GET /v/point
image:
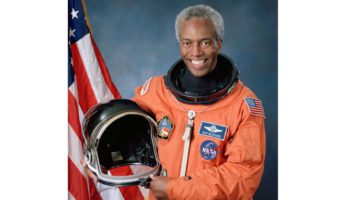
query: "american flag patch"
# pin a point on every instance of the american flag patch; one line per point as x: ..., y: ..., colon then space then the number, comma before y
x: 254, y: 106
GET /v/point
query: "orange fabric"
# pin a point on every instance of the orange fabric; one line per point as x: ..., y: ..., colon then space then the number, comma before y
x: 236, y: 171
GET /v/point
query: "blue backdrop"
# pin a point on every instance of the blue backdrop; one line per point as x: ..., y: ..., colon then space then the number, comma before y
x: 137, y: 40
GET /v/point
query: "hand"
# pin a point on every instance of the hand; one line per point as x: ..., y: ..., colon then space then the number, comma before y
x: 158, y: 186
x: 88, y: 171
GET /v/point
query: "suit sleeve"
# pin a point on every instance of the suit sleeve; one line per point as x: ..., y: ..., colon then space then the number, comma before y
x: 139, y: 100
x: 142, y: 97
x: 237, y: 178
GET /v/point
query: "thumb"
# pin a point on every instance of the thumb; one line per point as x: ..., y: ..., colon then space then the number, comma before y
x: 153, y: 177
x: 83, y: 162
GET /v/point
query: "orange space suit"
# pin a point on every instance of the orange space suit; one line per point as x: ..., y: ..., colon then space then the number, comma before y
x: 227, y: 147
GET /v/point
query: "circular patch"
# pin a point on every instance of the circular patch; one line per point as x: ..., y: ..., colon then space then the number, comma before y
x: 209, y: 150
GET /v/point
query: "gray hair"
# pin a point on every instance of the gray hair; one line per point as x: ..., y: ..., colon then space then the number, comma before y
x: 201, y: 11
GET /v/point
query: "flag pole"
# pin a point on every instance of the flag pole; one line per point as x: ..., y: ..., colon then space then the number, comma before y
x: 86, y: 16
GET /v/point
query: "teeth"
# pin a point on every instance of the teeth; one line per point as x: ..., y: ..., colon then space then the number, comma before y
x: 197, y: 62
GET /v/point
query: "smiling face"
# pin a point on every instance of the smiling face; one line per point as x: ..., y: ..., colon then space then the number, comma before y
x: 198, y: 45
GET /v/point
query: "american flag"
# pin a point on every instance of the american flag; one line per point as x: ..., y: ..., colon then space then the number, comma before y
x: 88, y: 83
x: 255, y: 106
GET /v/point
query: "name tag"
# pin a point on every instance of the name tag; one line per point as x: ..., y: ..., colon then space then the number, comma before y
x: 213, y: 130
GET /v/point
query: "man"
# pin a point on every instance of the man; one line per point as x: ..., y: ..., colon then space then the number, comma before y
x: 211, y: 134
x: 225, y: 156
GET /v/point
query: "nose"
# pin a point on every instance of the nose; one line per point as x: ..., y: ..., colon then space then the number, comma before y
x: 196, y: 50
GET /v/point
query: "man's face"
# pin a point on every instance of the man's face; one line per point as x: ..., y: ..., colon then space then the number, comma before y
x: 198, y: 45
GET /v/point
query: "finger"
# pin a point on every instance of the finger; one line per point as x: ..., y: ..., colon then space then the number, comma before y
x: 82, y: 162
x: 152, y: 176
x: 91, y: 175
x: 88, y: 171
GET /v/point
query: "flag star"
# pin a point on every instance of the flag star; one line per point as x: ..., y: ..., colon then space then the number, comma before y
x: 71, y: 32
x: 74, y: 13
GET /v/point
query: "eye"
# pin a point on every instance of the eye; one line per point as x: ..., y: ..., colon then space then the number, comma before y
x: 205, y: 43
x: 186, y: 43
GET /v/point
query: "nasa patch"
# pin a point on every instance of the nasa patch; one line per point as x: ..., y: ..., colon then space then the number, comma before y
x: 165, y: 128
x: 209, y: 150
x: 213, y: 130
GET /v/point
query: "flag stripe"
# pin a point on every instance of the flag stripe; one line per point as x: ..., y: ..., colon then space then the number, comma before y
x: 77, y: 186
x: 75, y: 154
x: 137, y: 170
x: 92, y: 68
x: 86, y: 95
x: 109, y: 192
x: 104, y: 71
x: 73, y: 117
x: 70, y: 196
x: 76, y: 183
x: 81, y: 115
x: 94, y: 191
x: 255, y: 109
x: 131, y: 192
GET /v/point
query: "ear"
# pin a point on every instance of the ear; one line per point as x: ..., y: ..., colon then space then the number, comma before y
x: 219, y: 45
